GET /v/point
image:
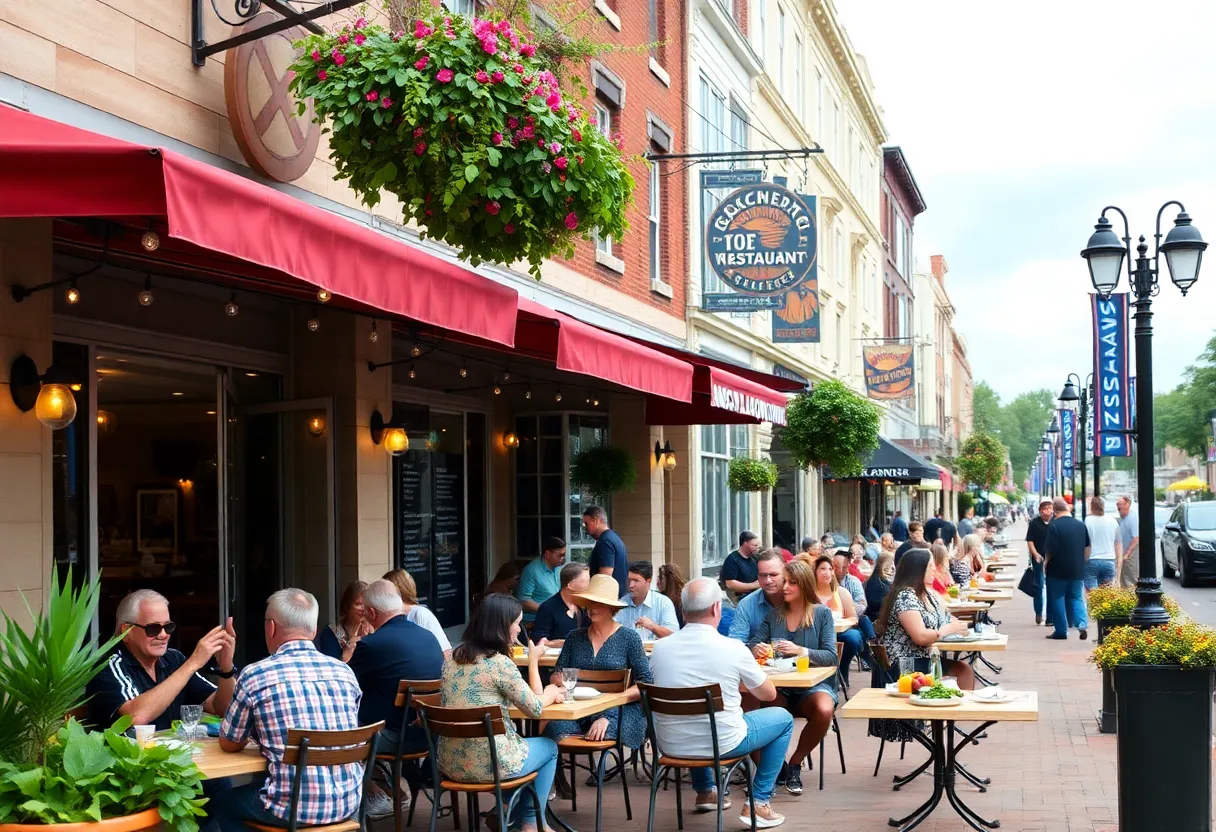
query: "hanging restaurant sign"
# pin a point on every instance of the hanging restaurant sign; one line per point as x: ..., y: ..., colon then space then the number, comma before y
x: 889, y: 371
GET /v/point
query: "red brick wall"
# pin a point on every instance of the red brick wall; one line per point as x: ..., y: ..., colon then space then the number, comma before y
x: 644, y: 91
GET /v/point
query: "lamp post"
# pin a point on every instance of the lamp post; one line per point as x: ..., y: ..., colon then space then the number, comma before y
x: 1045, y: 447
x: 1183, y: 249
x: 1069, y: 397
x: 1057, y: 466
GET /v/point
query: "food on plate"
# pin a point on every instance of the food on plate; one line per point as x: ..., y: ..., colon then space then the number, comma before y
x: 939, y: 691
x: 912, y: 682
x: 952, y: 591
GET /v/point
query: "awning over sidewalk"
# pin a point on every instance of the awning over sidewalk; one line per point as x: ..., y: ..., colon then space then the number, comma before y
x: 49, y: 169
x: 721, y: 397
x: 892, y: 463
x: 947, y: 478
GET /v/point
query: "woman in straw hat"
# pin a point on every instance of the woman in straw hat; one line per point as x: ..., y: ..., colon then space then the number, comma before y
x: 605, y: 645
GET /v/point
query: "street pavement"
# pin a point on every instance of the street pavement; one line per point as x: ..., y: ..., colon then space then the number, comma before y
x: 1054, y: 775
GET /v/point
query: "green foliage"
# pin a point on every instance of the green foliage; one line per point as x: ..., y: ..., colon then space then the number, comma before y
x: 981, y: 460
x: 832, y: 426
x: 1118, y: 602
x: 1180, y: 419
x: 965, y: 502
x: 1158, y: 494
x: 1184, y: 644
x: 602, y: 470
x: 747, y: 474
x: 469, y: 127
x: 88, y: 776
x: 1018, y: 424
x: 43, y: 673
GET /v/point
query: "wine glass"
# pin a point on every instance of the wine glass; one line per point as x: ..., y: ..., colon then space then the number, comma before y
x: 191, y: 715
x: 570, y: 680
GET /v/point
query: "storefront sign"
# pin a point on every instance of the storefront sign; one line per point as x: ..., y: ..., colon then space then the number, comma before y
x: 1068, y: 440
x: 887, y: 473
x: 889, y: 371
x: 735, y: 401
x: 1111, y: 385
x: 429, y: 508
x: 275, y: 140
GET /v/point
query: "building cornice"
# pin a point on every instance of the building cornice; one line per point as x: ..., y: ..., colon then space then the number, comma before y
x: 722, y: 22
x: 847, y: 195
x: 823, y: 13
x: 777, y: 101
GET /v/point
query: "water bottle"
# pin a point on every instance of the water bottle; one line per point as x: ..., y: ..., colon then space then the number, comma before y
x: 935, y: 661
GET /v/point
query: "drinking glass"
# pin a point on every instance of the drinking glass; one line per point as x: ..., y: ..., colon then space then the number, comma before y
x: 191, y: 714
x: 803, y: 664
x: 570, y: 680
x: 907, y: 666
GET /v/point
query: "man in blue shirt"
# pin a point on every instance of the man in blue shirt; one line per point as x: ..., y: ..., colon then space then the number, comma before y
x: 754, y: 606
x: 647, y: 611
x: 608, y: 557
x: 899, y: 528
x: 541, y: 578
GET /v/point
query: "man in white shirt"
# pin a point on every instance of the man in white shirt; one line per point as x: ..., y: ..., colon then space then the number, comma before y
x: 1105, y: 546
x: 699, y: 655
x: 1129, y: 537
x: 647, y: 611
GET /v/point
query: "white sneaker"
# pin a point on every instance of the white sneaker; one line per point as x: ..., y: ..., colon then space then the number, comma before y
x: 766, y: 817
x: 379, y: 805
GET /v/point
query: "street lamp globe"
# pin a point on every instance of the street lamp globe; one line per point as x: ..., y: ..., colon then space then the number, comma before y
x: 1053, y: 426
x: 1104, y: 254
x: 1069, y: 393
x: 1183, y: 250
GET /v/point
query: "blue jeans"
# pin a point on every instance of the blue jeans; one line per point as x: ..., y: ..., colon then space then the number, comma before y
x: 1037, y: 566
x: 1066, y: 604
x: 542, y: 758
x: 1099, y: 572
x: 851, y: 642
x: 230, y: 809
x: 769, y: 731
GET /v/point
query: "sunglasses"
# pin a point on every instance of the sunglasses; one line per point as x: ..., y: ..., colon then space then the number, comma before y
x: 154, y: 630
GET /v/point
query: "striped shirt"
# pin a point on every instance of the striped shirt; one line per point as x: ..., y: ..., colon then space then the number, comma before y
x: 298, y: 687
x: 123, y: 678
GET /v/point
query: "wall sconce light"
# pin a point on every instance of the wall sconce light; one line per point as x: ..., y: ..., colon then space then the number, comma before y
x: 510, y: 440
x: 105, y: 422
x: 391, y: 436
x: 51, y: 401
x: 665, y: 456
x: 316, y: 426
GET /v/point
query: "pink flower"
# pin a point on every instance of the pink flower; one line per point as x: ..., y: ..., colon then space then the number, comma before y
x: 360, y: 23
x: 343, y: 39
x: 576, y: 134
x: 540, y: 143
x: 418, y: 131
x: 497, y: 77
x: 396, y: 36
x: 591, y: 120
x: 545, y: 167
x: 529, y: 120
x: 527, y: 50
x: 512, y: 122
x: 572, y: 116
x: 322, y: 75
x: 338, y: 57
x: 386, y: 102
x: 316, y: 56
x: 482, y: 76
x: 562, y: 177
x: 421, y: 63
x: 580, y: 160
x: 510, y: 229
x: 444, y: 76
x: 555, y: 147
x: 420, y: 148
x: 496, y: 138
x: 490, y: 45
x: 372, y: 96
x: 561, y: 162
x: 572, y: 220
x: 421, y: 30
x: 360, y: 38
x: 492, y: 208
x: 527, y: 80
x: 518, y: 68
x: 429, y: 212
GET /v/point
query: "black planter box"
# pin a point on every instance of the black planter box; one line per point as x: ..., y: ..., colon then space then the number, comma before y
x: 1165, y: 748
x: 1106, y: 717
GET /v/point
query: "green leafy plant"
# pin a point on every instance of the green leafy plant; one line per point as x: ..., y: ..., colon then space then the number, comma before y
x: 1184, y: 644
x: 747, y: 474
x: 468, y: 125
x: 833, y: 426
x: 88, y: 776
x: 965, y: 502
x: 981, y: 460
x: 602, y: 470
x: 1117, y: 602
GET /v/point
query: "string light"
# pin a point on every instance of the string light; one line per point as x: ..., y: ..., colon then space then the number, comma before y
x: 413, y: 372
x: 558, y: 396
x: 230, y: 308
x: 497, y: 390
x: 528, y: 393
x: 415, y: 350
x: 313, y: 323
x: 595, y: 402
x: 464, y: 371
x: 73, y: 294
x: 150, y: 240
x: 506, y: 375
x: 145, y: 297
x: 324, y: 295
x: 373, y: 336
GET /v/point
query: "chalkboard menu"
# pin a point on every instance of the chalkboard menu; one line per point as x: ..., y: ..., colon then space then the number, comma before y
x: 429, y: 509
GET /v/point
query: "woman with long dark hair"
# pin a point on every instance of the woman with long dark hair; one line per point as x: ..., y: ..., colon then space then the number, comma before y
x: 339, y: 640
x: 879, y: 584
x: 671, y: 584
x: 481, y: 673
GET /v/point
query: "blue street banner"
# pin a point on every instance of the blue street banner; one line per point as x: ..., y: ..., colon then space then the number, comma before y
x: 889, y: 371
x: 1051, y: 465
x: 1112, y: 386
x: 1068, y: 440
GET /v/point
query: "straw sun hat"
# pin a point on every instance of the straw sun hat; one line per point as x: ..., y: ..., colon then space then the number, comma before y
x: 602, y: 589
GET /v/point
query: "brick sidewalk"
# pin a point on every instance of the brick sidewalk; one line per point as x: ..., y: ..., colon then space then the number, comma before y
x: 1054, y: 775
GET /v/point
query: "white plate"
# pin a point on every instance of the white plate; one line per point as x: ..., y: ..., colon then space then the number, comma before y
x: 586, y: 693
x: 174, y: 744
x: 893, y: 690
x: 997, y: 697
x: 936, y: 703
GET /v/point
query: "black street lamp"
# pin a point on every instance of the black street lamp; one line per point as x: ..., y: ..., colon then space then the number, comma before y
x: 1044, y: 449
x: 1183, y: 249
x: 1057, y: 464
x: 1069, y: 397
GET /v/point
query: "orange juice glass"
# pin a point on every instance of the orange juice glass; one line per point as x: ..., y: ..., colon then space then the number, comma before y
x: 803, y: 664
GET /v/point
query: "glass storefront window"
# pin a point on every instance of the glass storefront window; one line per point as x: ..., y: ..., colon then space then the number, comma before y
x: 723, y: 514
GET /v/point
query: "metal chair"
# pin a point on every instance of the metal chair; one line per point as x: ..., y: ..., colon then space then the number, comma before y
x: 473, y: 723
x: 324, y: 749
x: 409, y: 691
x: 605, y: 681
x: 699, y: 700
x: 884, y: 665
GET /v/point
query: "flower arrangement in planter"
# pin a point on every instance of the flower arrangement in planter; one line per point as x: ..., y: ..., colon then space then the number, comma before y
x: 1182, y: 645
x: 832, y: 426
x: 466, y: 123
x: 747, y: 474
x: 1108, y: 602
x: 602, y: 470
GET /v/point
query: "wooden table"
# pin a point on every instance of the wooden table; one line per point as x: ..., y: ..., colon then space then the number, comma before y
x: 967, y: 607
x: 576, y: 709
x: 551, y: 654
x: 875, y: 703
x: 987, y: 595
x: 843, y: 624
x: 807, y: 679
x: 997, y: 643
x: 214, y: 762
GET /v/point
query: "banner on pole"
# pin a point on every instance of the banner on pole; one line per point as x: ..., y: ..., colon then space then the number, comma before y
x: 1051, y: 465
x: 1068, y: 440
x: 889, y: 370
x: 1112, y: 387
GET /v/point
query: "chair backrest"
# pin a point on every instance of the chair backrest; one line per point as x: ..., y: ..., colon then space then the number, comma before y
x: 605, y: 681
x: 309, y: 748
x: 880, y: 655
x: 408, y: 689
x: 695, y: 700
x: 462, y: 723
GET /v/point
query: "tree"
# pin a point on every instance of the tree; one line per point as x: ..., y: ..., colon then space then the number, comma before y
x: 1180, y: 420
x: 1026, y: 417
x: 986, y: 409
x: 982, y: 459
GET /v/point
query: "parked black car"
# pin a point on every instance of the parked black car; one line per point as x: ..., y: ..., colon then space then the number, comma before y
x: 1188, y: 543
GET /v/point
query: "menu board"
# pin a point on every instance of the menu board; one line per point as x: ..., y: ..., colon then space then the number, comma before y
x: 413, y: 498
x: 448, y: 536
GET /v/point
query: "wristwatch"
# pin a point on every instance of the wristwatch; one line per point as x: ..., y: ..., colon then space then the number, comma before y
x: 227, y: 675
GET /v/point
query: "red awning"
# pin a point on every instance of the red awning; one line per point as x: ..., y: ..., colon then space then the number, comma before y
x: 48, y: 169
x: 720, y: 398
x: 578, y: 347
x: 769, y: 380
x: 947, y: 480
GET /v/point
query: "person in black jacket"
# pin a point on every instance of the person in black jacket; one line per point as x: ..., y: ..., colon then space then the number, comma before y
x: 561, y: 614
x: 879, y: 584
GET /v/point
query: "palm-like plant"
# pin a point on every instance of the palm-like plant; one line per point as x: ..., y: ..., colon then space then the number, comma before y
x: 43, y: 672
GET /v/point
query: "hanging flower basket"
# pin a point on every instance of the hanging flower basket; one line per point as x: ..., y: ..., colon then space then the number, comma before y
x: 831, y: 426
x: 746, y: 474
x: 467, y: 125
x: 602, y: 470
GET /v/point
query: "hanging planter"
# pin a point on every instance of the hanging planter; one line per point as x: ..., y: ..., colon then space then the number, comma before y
x: 466, y: 124
x: 747, y: 474
x: 603, y: 470
x: 831, y: 426
x: 981, y: 460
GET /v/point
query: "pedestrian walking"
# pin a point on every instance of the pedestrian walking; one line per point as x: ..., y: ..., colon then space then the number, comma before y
x: 1067, y: 549
x: 1036, y: 542
x: 1129, y: 537
x: 1105, y: 549
x: 899, y: 527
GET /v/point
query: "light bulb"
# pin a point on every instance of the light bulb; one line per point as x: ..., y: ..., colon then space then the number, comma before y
x: 373, y: 336
x: 313, y: 324
x: 324, y: 295
x: 73, y: 294
x: 395, y: 440
x: 55, y: 406
x: 595, y: 402
x: 528, y: 394
x: 145, y: 297
x: 497, y: 390
x: 150, y: 240
x: 506, y: 376
x: 413, y: 373
x: 230, y: 308
x: 415, y: 350
x: 464, y: 371
x: 558, y: 397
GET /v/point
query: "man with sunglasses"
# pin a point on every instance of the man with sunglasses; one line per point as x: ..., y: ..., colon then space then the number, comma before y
x: 148, y: 680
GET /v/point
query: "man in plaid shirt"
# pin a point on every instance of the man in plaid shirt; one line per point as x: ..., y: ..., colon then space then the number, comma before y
x: 296, y: 687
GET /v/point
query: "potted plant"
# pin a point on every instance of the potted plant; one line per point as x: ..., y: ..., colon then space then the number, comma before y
x: 1163, y: 683
x: 747, y: 474
x: 56, y: 773
x: 831, y: 426
x: 602, y: 470
x: 1111, y: 607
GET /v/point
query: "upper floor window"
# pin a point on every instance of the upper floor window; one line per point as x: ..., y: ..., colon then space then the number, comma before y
x: 799, y: 92
x: 781, y: 48
x: 900, y: 240
x: 466, y: 7
x: 821, y: 108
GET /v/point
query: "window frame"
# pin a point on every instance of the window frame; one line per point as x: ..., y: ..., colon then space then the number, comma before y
x: 605, y: 114
x: 728, y: 512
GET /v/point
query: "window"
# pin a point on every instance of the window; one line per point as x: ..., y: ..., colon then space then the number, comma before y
x: 781, y: 49
x: 603, y: 119
x: 466, y: 7
x: 656, y: 212
x: 723, y: 514
x: 799, y: 92
x: 840, y: 353
x: 762, y: 27
x: 658, y: 31
x: 821, y: 108
x: 714, y: 139
x: 901, y: 244
x: 738, y: 127
x: 836, y: 128
x: 839, y: 259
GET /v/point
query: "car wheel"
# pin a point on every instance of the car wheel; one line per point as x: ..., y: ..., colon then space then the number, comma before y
x: 1166, y: 570
x: 1184, y: 573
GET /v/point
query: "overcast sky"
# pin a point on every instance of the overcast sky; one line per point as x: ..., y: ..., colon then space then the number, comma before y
x: 1021, y: 121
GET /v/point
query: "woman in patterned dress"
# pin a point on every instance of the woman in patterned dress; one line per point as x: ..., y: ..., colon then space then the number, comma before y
x: 481, y: 673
